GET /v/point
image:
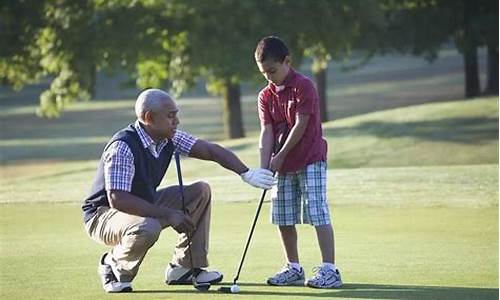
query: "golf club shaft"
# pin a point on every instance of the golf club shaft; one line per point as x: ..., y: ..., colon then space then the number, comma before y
x: 277, y: 148
x: 250, y: 236
x: 181, y: 187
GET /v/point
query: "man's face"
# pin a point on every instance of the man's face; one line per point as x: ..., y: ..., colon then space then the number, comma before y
x: 274, y: 71
x: 165, y: 121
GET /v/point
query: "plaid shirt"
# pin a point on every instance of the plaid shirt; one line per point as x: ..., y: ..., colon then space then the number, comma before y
x: 119, y: 166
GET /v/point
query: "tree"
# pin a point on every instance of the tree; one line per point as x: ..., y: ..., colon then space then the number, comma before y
x: 20, y: 22
x: 346, y: 26
x: 44, y: 44
x: 422, y: 27
x: 221, y: 37
x: 489, y: 37
x: 69, y: 41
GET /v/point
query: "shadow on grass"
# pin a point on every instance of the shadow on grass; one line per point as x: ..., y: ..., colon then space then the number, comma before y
x: 355, y: 291
x: 458, y: 130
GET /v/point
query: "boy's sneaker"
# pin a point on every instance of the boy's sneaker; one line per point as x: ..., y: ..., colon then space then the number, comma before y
x: 325, y: 278
x: 109, y: 282
x: 287, y: 276
x: 181, y: 275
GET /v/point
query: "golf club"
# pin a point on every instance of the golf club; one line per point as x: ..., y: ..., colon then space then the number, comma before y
x: 235, y: 288
x: 202, y: 287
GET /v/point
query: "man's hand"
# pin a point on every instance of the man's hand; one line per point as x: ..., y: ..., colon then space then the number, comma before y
x: 259, y: 178
x: 179, y: 221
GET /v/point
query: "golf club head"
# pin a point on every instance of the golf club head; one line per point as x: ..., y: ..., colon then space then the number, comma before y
x: 225, y: 289
x: 202, y: 287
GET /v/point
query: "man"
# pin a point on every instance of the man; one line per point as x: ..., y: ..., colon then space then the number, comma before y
x: 125, y: 210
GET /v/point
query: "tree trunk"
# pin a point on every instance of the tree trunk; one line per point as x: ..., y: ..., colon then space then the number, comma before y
x: 320, y: 77
x: 232, y: 117
x: 472, y: 88
x: 492, y: 85
x: 92, y: 80
x: 471, y: 42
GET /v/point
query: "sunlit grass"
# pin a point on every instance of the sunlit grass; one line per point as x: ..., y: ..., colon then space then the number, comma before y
x: 383, y: 253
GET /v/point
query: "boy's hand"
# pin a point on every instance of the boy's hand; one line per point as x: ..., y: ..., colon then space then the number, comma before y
x: 259, y: 178
x: 277, y: 161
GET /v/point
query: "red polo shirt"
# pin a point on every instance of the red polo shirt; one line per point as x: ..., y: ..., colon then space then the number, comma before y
x: 280, y: 105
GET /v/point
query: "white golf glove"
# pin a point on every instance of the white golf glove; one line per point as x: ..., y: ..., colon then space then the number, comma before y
x: 259, y: 178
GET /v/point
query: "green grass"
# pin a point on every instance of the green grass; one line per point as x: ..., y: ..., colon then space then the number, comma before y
x: 384, y: 252
x: 413, y: 191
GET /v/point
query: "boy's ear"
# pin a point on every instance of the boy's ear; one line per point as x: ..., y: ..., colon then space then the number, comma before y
x: 288, y: 60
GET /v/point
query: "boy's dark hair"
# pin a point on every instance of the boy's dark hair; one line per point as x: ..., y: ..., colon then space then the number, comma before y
x: 271, y: 47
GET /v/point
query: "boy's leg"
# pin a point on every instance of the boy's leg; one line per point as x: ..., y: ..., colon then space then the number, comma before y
x: 316, y: 213
x: 289, y: 240
x: 286, y: 213
x: 326, y: 242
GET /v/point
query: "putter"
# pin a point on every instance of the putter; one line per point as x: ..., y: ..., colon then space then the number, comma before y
x: 235, y: 288
x: 202, y: 287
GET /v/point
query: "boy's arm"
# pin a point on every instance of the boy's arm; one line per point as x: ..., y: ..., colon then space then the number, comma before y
x: 293, y: 138
x: 266, y: 143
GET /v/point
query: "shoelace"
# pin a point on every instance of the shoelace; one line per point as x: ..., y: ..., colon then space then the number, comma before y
x: 285, y: 270
x: 319, y: 271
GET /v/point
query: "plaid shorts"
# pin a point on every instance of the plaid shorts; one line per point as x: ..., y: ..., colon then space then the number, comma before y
x: 304, y: 189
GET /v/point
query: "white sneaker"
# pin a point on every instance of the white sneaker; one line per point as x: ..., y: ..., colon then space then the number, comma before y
x: 181, y: 275
x: 287, y: 276
x: 326, y: 278
x: 109, y: 282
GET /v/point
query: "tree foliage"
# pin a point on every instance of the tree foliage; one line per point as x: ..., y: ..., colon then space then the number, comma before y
x: 422, y: 27
x: 172, y: 43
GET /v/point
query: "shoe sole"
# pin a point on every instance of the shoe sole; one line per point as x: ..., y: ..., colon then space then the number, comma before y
x: 124, y: 290
x: 333, y: 286
x: 189, y: 282
x: 292, y: 283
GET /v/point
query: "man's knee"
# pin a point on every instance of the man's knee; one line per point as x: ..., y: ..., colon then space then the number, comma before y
x: 203, y: 190
x: 147, y: 232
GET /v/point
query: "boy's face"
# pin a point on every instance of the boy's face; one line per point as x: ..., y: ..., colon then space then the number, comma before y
x: 274, y: 71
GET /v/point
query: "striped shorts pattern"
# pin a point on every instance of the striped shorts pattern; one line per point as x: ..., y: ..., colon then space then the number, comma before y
x: 301, y: 193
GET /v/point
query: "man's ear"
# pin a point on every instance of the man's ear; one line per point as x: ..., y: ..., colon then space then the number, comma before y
x: 148, y: 118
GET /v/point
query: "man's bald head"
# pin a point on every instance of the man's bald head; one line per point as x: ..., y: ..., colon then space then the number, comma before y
x: 151, y: 100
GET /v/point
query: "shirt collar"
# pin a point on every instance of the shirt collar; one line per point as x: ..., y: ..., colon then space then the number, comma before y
x: 146, y: 140
x: 288, y: 82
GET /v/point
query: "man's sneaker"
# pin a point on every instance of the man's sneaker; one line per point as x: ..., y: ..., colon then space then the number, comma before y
x: 287, y: 276
x: 325, y: 278
x: 180, y: 275
x: 109, y: 282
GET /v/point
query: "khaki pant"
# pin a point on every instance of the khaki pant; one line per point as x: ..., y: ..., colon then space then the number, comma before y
x: 131, y: 236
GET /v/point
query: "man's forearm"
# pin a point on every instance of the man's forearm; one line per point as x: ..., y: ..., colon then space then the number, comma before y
x: 133, y: 205
x: 227, y: 159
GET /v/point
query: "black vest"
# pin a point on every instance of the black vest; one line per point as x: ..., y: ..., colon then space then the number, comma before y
x: 149, y: 172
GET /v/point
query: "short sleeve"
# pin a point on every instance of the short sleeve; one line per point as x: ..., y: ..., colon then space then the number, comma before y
x: 183, y: 142
x: 263, y: 106
x: 307, y: 97
x: 119, y: 167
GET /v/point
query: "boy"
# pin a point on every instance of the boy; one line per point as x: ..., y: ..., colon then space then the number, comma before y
x: 289, y: 103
